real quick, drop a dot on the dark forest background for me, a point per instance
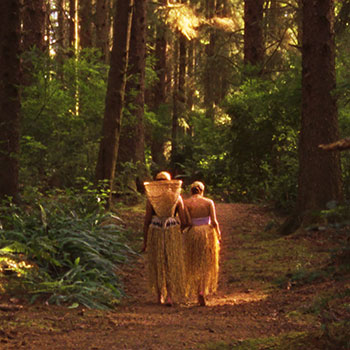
(232, 93)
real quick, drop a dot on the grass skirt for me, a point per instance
(165, 261)
(201, 259)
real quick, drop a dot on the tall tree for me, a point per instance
(179, 98)
(253, 32)
(106, 163)
(33, 29)
(85, 13)
(72, 22)
(320, 173)
(190, 75)
(132, 138)
(175, 111)
(102, 24)
(182, 74)
(9, 97)
(61, 32)
(216, 53)
(210, 62)
(159, 96)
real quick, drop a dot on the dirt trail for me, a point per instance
(237, 311)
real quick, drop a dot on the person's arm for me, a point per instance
(181, 212)
(146, 223)
(213, 218)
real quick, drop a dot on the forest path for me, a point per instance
(242, 308)
(237, 311)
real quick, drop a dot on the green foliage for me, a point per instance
(249, 152)
(263, 138)
(202, 156)
(62, 110)
(73, 246)
(337, 216)
(150, 73)
(333, 228)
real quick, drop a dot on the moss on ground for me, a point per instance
(272, 260)
(269, 262)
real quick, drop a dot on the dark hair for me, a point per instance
(196, 190)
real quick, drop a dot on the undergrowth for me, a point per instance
(63, 248)
(316, 257)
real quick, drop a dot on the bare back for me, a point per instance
(198, 207)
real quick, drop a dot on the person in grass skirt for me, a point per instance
(162, 230)
(202, 244)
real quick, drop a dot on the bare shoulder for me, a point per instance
(187, 201)
(209, 201)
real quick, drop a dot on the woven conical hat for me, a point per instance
(163, 196)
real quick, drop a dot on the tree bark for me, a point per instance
(103, 23)
(33, 19)
(62, 39)
(320, 172)
(72, 10)
(132, 139)
(159, 97)
(9, 97)
(190, 75)
(175, 112)
(105, 169)
(182, 75)
(85, 23)
(253, 32)
(209, 95)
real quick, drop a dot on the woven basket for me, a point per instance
(163, 196)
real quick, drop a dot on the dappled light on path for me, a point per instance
(236, 298)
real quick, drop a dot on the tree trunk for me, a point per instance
(182, 75)
(159, 95)
(161, 68)
(253, 32)
(62, 40)
(190, 75)
(9, 97)
(72, 10)
(175, 112)
(33, 19)
(102, 23)
(106, 163)
(320, 173)
(209, 63)
(85, 23)
(132, 139)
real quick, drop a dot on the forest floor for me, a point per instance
(258, 303)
